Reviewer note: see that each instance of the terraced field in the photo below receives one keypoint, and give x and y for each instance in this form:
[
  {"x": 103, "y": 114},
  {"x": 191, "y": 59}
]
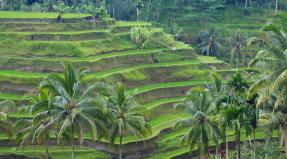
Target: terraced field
[{"x": 159, "y": 75}]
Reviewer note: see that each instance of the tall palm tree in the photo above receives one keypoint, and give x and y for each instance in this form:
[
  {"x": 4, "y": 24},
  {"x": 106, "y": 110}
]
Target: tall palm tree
[
  {"x": 75, "y": 110},
  {"x": 6, "y": 124},
  {"x": 272, "y": 62},
  {"x": 221, "y": 101},
  {"x": 209, "y": 45},
  {"x": 27, "y": 129},
  {"x": 233, "y": 109},
  {"x": 237, "y": 40},
  {"x": 201, "y": 125},
  {"x": 126, "y": 116}
]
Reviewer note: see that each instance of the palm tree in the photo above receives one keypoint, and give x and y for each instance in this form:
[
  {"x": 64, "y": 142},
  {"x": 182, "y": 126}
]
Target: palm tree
[
  {"x": 126, "y": 116},
  {"x": 6, "y": 124},
  {"x": 237, "y": 40},
  {"x": 272, "y": 61},
  {"x": 234, "y": 118},
  {"x": 233, "y": 109},
  {"x": 276, "y": 6},
  {"x": 209, "y": 45},
  {"x": 27, "y": 129},
  {"x": 221, "y": 101},
  {"x": 75, "y": 110},
  {"x": 201, "y": 125}
]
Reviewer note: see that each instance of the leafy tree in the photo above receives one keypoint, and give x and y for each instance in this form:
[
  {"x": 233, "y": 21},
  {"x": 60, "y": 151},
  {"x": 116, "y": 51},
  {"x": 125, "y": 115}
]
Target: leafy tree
[
  {"x": 209, "y": 45},
  {"x": 272, "y": 61},
  {"x": 97, "y": 12},
  {"x": 238, "y": 41},
  {"x": 202, "y": 125},
  {"x": 126, "y": 116},
  {"x": 75, "y": 110},
  {"x": 27, "y": 129}
]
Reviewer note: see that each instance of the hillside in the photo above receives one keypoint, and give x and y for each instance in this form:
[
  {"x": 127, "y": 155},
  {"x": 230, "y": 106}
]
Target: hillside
[{"x": 160, "y": 75}]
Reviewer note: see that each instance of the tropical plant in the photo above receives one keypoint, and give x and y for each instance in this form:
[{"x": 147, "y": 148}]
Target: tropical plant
[
  {"x": 209, "y": 45},
  {"x": 97, "y": 12},
  {"x": 28, "y": 129},
  {"x": 127, "y": 118},
  {"x": 6, "y": 124},
  {"x": 237, "y": 41},
  {"x": 272, "y": 61},
  {"x": 201, "y": 123},
  {"x": 140, "y": 36},
  {"x": 75, "y": 110},
  {"x": 233, "y": 109}
]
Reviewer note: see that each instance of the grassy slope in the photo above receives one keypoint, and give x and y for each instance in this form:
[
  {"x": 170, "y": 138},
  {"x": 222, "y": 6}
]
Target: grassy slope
[
  {"x": 37, "y": 15},
  {"x": 186, "y": 149},
  {"x": 57, "y": 152},
  {"x": 162, "y": 101},
  {"x": 109, "y": 72}
]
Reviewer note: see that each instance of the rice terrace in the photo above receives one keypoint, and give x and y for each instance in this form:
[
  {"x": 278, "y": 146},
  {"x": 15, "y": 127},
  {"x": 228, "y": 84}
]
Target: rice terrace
[{"x": 143, "y": 79}]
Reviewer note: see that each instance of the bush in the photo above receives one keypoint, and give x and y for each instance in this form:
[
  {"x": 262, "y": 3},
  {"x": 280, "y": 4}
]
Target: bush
[
  {"x": 140, "y": 36},
  {"x": 266, "y": 150}
]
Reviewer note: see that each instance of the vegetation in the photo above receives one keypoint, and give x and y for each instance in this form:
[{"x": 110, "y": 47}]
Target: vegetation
[{"x": 172, "y": 84}]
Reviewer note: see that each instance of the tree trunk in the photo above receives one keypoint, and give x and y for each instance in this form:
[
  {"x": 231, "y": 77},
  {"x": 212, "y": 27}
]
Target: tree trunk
[
  {"x": 246, "y": 3},
  {"x": 217, "y": 148},
  {"x": 148, "y": 8},
  {"x": 47, "y": 156},
  {"x": 276, "y": 6},
  {"x": 72, "y": 141},
  {"x": 226, "y": 147},
  {"x": 284, "y": 138},
  {"x": 254, "y": 138},
  {"x": 120, "y": 148},
  {"x": 238, "y": 145}
]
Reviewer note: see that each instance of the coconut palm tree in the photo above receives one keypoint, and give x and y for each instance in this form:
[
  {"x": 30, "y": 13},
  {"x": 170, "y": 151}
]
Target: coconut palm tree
[
  {"x": 233, "y": 109},
  {"x": 235, "y": 119},
  {"x": 209, "y": 45},
  {"x": 201, "y": 125},
  {"x": 75, "y": 108},
  {"x": 237, "y": 41},
  {"x": 126, "y": 115},
  {"x": 272, "y": 62},
  {"x": 6, "y": 124},
  {"x": 27, "y": 129}
]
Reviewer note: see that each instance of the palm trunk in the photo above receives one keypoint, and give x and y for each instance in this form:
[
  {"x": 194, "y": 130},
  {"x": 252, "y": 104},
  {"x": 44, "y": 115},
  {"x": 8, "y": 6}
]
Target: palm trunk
[
  {"x": 226, "y": 144},
  {"x": 47, "y": 156},
  {"x": 238, "y": 144},
  {"x": 246, "y": 3},
  {"x": 284, "y": 138},
  {"x": 217, "y": 148},
  {"x": 148, "y": 8},
  {"x": 138, "y": 12},
  {"x": 276, "y": 6},
  {"x": 120, "y": 148},
  {"x": 72, "y": 141},
  {"x": 254, "y": 138}
]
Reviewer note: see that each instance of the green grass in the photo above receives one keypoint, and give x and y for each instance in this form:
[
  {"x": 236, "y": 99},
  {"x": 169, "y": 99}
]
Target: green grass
[
  {"x": 183, "y": 150},
  {"x": 9, "y": 96},
  {"x": 200, "y": 60},
  {"x": 57, "y": 152},
  {"x": 37, "y": 15},
  {"x": 159, "y": 102},
  {"x": 132, "y": 23},
  {"x": 151, "y": 87},
  {"x": 157, "y": 124},
  {"x": 109, "y": 72},
  {"x": 57, "y": 32}
]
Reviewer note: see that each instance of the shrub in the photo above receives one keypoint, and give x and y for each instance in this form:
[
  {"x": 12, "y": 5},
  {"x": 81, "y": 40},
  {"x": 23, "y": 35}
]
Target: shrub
[
  {"x": 262, "y": 151},
  {"x": 140, "y": 36}
]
